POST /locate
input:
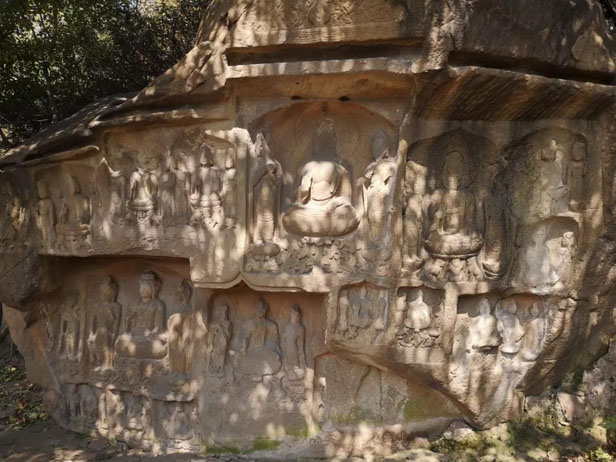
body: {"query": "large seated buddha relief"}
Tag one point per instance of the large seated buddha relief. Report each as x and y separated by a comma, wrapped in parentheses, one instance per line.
(321, 194)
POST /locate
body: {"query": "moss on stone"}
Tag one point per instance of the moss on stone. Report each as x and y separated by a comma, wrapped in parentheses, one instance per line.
(356, 415)
(416, 410)
(260, 443)
(301, 432)
(526, 439)
(219, 449)
(265, 444)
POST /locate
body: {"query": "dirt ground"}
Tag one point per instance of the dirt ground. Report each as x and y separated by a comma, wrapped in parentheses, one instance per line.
(27, 434)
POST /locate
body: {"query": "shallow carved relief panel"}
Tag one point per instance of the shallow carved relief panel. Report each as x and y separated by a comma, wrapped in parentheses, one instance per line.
(363, 313)
(64, 208)
(497, 341)
(419, 319)
(260, 346)
(302, 22)
(550, 197)
(183, 192)
(14, 217)
(449, 255)
(121, 347)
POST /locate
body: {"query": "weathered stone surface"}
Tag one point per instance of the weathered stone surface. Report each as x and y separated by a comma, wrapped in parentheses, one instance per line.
(357, 220)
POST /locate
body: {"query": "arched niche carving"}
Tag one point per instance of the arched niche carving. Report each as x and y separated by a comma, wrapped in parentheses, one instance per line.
(455, 219)
(323, 163)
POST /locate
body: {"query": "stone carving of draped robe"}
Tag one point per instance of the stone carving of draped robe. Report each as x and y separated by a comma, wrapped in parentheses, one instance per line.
(293, 342)
(229, 190)
(46, 214)
(219, 335)
(509, 327)
(261, 352)
(104, 326)
(453, 229)
(146, 323)
(484, 331)
(143, 195)
(379, 186)
(167, 194)
(75, 215)
(323, 205)
(552, 192)
(419, 315)
(575, 176)
(266, 193)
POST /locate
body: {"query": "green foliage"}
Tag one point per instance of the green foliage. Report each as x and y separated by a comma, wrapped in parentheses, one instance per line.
(20, 403)
(56, 56)
(599, 455)
(609, 423)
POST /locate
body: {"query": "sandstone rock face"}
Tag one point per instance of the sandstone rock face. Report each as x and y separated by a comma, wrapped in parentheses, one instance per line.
(330, 212)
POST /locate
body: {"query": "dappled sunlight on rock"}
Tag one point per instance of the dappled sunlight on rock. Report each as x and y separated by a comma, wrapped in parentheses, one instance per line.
(335, 228)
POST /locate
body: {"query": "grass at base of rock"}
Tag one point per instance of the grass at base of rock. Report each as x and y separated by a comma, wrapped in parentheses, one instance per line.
(20, 400)
(526, 439)
(260, 444)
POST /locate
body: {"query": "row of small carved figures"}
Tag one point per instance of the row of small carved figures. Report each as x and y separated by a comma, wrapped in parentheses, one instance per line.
(113, 412)
(148, 334)
(419, 324)
(148, 204)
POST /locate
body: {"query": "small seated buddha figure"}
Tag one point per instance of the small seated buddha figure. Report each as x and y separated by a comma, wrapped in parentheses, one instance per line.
(323, 206)
(453, 231)
(145, 335)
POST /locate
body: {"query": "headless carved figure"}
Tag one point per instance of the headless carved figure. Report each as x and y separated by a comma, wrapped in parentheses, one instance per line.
(261, 352)
(70, 327)
(206, 196)
(419, 315)
(144, 186)
(323, 206)
(535, 333)
(166, 192)
(484, 332)
(180, 329)
(552, 191)
(509, 327)
(413, 212)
